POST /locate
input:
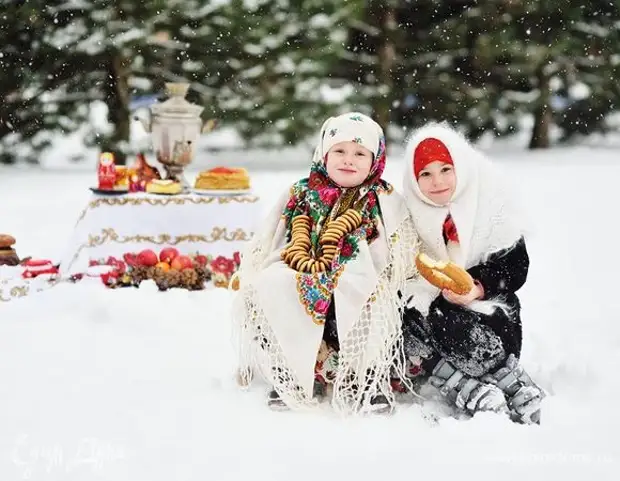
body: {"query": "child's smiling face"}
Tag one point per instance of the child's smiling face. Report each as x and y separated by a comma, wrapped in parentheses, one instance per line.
(348, 163)
(437, 182)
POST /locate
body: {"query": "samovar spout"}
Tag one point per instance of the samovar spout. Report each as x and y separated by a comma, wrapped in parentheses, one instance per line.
(146, 125)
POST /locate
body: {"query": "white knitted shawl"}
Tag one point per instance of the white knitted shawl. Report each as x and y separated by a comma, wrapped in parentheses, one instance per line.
(279, 339)
(485, 220)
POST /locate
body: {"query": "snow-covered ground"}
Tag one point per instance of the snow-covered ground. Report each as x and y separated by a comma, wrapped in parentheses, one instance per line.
(136, 385)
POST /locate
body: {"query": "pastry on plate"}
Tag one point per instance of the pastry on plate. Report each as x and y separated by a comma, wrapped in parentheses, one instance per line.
(164, 187)
(223, 178)
(8, 256)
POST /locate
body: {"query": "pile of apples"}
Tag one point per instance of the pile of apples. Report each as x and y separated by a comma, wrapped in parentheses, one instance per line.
(169, 259)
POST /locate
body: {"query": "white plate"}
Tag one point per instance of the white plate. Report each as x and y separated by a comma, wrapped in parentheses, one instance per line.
(221, 191)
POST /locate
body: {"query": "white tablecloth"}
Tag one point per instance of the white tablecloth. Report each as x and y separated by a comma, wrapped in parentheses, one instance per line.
(114, 225)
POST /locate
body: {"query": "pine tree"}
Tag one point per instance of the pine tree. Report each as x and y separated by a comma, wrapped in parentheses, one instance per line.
(398, 54)
(263, 65)
(31, 67)
(110, 40)
(537, 53)
(526, 45)
(487, 65)
(523, 56)
(72, 54)
(590, 73)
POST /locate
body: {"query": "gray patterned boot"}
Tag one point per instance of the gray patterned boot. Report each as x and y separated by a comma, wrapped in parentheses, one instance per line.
(466, 392)
(524, 396)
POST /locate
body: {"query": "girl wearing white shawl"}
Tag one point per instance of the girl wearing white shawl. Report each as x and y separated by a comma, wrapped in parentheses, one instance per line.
(286, 317)
(470, 343)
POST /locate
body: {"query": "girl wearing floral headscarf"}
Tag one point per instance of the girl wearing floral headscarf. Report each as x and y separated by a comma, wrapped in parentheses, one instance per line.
(309, 288)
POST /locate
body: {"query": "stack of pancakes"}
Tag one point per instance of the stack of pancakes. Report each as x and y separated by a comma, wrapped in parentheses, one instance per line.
(223, 178)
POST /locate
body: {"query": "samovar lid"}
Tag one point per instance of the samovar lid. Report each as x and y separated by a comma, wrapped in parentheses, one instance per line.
(176, 105)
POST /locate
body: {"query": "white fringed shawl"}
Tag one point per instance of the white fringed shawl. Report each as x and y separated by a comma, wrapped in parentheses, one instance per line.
(280, 340)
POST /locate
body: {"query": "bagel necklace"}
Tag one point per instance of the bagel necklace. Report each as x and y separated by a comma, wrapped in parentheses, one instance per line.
(344, 220)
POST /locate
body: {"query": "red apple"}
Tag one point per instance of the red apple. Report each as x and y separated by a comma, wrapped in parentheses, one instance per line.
(130, 259)
(201, 260)
(182, 262)
(147, 258)
(168, 254)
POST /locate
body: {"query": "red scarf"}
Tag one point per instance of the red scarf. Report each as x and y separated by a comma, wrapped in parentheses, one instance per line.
(449, 230)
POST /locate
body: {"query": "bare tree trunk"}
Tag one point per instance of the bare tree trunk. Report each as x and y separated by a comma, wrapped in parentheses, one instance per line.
(118, 99)
(542, 114)
(386, 54)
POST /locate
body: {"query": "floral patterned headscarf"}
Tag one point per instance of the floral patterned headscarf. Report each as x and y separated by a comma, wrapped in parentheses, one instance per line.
(321, 198)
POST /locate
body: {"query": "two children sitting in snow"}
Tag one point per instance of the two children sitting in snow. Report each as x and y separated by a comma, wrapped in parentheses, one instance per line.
(330, 294)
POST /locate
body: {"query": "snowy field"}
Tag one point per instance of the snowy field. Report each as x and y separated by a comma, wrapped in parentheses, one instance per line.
(136, 385)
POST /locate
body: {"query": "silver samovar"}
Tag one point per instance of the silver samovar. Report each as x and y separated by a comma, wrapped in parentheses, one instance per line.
(175, 127)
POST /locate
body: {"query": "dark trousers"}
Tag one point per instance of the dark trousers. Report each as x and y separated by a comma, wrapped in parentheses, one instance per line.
(330, 333)
(474, 343)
